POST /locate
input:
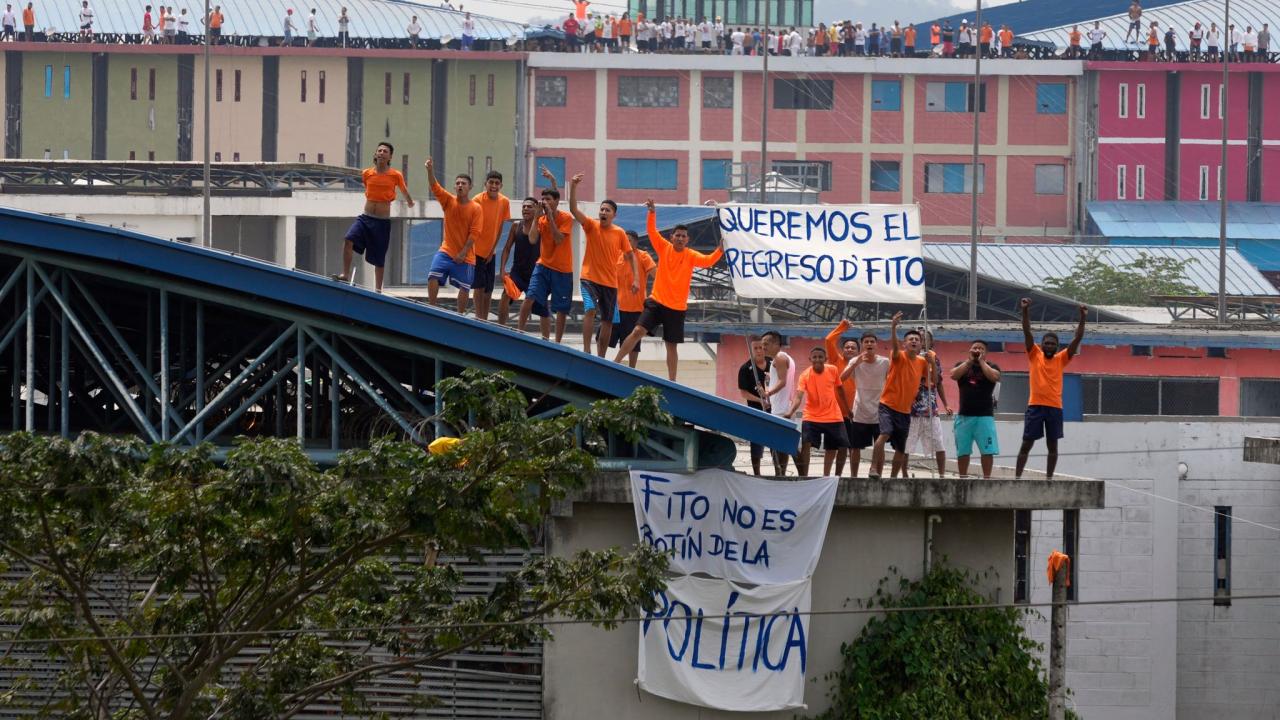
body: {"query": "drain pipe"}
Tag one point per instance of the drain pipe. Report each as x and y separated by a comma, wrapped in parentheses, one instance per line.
(928, 540)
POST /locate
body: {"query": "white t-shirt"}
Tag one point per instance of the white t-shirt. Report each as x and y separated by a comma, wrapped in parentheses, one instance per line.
(1096, 35)
(870, 381)
(1212, 38)
(9, 19)
(736, 38)
(86, 16)
(414, 29)
(780, 403)
(312, 26)
(184, 22)
(468, 27)
(1250, 39)
(343, 21)
(796, 43)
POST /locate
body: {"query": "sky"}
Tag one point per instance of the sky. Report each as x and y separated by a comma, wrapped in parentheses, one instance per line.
(538, 11)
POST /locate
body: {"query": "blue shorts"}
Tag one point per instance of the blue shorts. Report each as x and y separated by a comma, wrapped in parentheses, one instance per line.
(1042, 421)
(600, 298)
(980, 429)
(547, 283)
(446, 269)
(370, 236)
(484, 274)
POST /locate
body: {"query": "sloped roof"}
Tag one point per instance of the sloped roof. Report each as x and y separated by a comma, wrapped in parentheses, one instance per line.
(1182, 16)
(1034, 15)
(369, 18)
(1185, 219)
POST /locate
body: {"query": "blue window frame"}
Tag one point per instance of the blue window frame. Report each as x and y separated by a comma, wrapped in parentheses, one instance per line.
(66, 82)
(957, 97)
(886, 176)
(646, 174)
(554, 164)
(48, 81)
(1051, 98)
(715, 174)
(886, 95)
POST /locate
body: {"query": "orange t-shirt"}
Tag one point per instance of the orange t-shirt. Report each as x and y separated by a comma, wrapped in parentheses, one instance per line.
(910, 37)
(381, 187)
(1046, 376)
(496, 213)
(935, 33)
(675, 269)
(215, 20)
(557, 257)
(28, 16)
(1006, 38)
(1075, 38)
(624, 27)
(821, 402)
(604, 248)
(461, 221)
(986, 34)
(1153, 39)
(835, 358)
(580, 10)
(903, 381)
(633, 301)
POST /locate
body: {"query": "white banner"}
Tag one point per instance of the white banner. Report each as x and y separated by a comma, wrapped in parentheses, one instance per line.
(865, 253)
(734, 526)
(752, 663)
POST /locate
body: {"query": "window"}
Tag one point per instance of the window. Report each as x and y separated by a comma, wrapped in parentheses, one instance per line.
(151, 84)
(550, 90)
(1259, 397)
(133, 155)
(48, 81)
(795, 94)
(953, 97)
(1222, 97)
(1021, 556)
(717, 92)
(151, 155)
(321, 88)
(1206, 98)
(488, 164)
(1051, 179)
(303, 87)
(472, 91)
(554, 164)
(641, 91)
(1122, 106)
(66, 83)
(404, 164)
(492, 84)
(217, 156)
(886, 95)
(217, 85)
(386, 89)
(1051, 98)
(1140, 350)
(1071, 546)
(471, 163)
(1118, 395)
(814, 173)
(133, 84)
(952, 177)
(1140, 182)
(715, 174)
(1122, 181)
(1142, 100)
(405, 99)
(1222, 555)
(320, 158)
(237, 88)
(1204, 182)
(646, 174)
(1218, 174)
(886, 176)
(302, 157)
(235, 157)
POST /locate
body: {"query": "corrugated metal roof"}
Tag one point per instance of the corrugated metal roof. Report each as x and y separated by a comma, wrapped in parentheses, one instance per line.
(1182, 16)
(1034, 15)
(369, 18)
(1033, 265)
(1186, 219)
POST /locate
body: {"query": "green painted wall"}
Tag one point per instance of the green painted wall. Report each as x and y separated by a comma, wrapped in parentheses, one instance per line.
(57, 123)
(474, 128)
(136, 122)
(409, 124)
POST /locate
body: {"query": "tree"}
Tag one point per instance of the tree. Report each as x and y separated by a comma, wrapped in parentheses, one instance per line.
(330, 576)
(1095, 281)
(956, 664)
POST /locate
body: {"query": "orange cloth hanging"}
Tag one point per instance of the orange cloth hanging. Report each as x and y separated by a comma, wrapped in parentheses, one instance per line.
(1057, 560)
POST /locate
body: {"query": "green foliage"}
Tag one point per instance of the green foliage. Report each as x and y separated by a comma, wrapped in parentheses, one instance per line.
(959, 664)
(1094, 281)
(234, 555)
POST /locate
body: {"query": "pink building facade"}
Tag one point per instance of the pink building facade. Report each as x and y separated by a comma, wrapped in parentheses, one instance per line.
(687, 130)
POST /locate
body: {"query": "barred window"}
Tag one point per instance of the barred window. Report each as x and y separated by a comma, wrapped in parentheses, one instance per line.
(551, 90)
(717, 92)
(640, 91)
(1106, 395)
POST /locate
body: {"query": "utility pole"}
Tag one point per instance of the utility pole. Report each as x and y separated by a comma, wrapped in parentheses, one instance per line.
(764, 133)
(1058, 645)
(206, 218)
(1222, 170)
(973, 203)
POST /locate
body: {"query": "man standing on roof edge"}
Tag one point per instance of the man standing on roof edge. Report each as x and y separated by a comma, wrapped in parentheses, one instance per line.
(496, 210)
(370, 234)
(605, 245)
(455, 261)
(1045, 364)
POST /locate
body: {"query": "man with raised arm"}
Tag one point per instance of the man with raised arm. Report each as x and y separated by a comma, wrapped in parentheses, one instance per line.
(515, 282)
(455, 261)
(606, 243)
(869, 371)
(839, 354)
(1045, 364)
(631, 294)
(906, 368)
(551, 285)
(670, 298)
(496, 210)
(370, 234)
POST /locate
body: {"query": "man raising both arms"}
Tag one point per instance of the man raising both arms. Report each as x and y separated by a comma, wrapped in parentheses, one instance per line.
(667, 305)
(370, 234)
(455, 261)
(606, 244)
(551, 286)
(906, 368)
(869, 371)
(1045, 364)
(496, 210)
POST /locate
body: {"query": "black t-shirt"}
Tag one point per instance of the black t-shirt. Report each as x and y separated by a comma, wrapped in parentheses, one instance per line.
(975, 392)
(526, 254)
(750, 375)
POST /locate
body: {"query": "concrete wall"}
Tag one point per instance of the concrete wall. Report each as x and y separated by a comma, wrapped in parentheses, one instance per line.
(235, 126)
(139, 121)
(313, 127)
(59, 124)
(480, 127)
(405, 124)
(586, 670)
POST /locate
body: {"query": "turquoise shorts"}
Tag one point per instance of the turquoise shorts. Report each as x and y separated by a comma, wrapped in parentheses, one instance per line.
(980, 429)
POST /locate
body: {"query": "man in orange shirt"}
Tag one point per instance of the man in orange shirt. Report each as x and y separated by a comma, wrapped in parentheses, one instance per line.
(496, 209)
(909, 41)
(984, 39)
(1073, 39)
(631, 294)
(551, 285)
(605, 245)
(839, 355)
(370, 234)
(906, 368)
(29, 22)
(215, 25)
(624, 31)
(1006, 41)
(580, 9)
(666, 307)
(455, 261)
(825, 412)
(1045, 365)
(935, 35)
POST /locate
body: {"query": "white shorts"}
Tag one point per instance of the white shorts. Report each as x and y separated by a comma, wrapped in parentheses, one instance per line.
(926, 435)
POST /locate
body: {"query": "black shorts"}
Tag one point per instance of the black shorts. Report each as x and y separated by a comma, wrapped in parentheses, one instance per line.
(601, 298)
(655, 314)
(1042, 421)
(484, 274)
(862, 435)
(896, 425)
(521, 276)
(830, 435)
(621, 329)
(370, 237)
